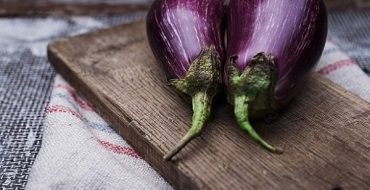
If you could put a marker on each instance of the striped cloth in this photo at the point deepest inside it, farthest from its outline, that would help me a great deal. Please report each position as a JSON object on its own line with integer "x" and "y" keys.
{"x": 341, "y": 69}
{"x": 26, "y": 80}
{"x": 81, "y": 151}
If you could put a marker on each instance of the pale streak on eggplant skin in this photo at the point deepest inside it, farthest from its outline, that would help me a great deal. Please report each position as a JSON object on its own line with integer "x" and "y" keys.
{"x": 178, "y": 30}
{"x": 293, "y": 31}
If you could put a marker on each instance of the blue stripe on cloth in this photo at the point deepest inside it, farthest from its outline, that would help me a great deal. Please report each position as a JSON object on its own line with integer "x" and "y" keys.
{"x": 99, "y": 126}
{"x": 330, "y": 50}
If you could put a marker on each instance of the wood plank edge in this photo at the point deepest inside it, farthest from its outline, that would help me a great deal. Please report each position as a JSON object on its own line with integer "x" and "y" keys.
{"x": 341, "y": 91}
{"x": 147, "y": 151}
{"x": 346, "y": 4}
{"x": 64, "y": 9}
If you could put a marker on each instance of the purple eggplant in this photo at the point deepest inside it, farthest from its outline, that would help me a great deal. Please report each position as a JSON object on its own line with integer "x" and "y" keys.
{"x": 186, "y": 37}
{"x": 272, "y": 45}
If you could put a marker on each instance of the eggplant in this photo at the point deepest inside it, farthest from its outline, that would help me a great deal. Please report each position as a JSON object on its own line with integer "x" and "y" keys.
{"x": 187, "y": 38}
{"x": 272, "y": 45}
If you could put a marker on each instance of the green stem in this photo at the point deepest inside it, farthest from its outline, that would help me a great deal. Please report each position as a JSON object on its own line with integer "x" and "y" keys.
{"x": 201, "y": 110}
{"x": 241, "y": 112}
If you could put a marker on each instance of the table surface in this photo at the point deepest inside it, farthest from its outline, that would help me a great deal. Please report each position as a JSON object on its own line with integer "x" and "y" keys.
{"x": 104, "y": 7}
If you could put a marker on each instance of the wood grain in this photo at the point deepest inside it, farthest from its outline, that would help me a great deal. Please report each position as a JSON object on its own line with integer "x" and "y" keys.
{"x": 70, "y": 7}
{"x": 109, "y": 7}
{"x": 347, "y": 4}
{"x": 325, "y": 132}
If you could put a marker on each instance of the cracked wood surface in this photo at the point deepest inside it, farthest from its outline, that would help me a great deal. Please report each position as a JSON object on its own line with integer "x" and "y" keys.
{"x": 71, "y": 7}
{"x": 325, "y": 132}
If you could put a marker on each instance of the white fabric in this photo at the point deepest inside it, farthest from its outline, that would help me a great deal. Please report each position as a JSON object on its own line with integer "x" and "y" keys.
{"x": 80, "y": 151}
{"x": 341, "y": 69}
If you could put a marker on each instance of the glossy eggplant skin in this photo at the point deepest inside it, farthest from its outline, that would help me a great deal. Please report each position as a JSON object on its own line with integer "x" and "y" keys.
{"x": 186, "y": 37}
{"x": 178, "y": 30}
{"x": 292, "y": 31}
{"x": 272, "y": 45}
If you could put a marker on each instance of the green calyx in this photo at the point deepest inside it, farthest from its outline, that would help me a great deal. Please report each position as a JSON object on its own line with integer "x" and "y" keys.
{"x": 251, "y": 93}
{"x": 204, "y": 74}
{"x": 202, "y": 83}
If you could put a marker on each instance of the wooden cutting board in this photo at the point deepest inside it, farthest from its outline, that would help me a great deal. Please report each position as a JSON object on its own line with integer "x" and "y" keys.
{"x": 325, "y": 132}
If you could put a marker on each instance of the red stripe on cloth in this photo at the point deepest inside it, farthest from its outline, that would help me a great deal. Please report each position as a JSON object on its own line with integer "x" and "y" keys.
{"x": 337, "y": 65}
{"x": 119, "y": 149}
{"x": 63, "y": 109}
{"x": 72, "y": 93}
